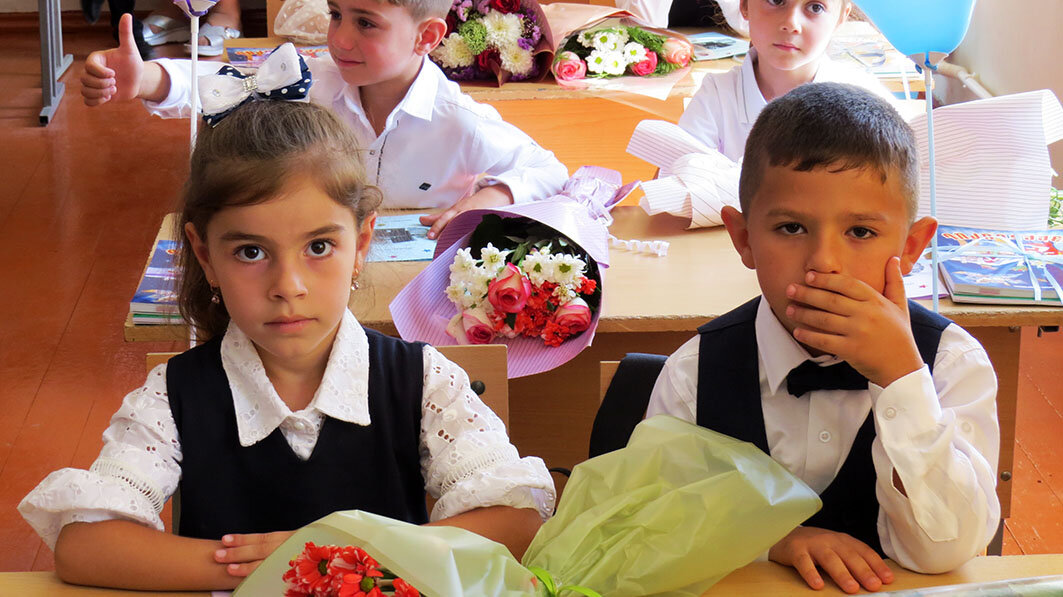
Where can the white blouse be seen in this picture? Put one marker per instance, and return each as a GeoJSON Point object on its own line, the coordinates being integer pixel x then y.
{"type": "Point", "coordinates": [467, 460]}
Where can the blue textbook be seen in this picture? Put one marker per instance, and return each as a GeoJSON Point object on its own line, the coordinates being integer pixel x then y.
{"type": "Point", "coordinates": [157, 292]}
{"type": "Point", "coordinates": [999, 266]}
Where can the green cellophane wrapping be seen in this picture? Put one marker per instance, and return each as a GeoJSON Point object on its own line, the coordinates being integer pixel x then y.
{"type": "Point", "coordinates": [672, 513]}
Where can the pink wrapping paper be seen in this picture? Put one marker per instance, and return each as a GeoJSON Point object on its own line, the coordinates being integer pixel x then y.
{"type": "Point", "coordinates": [421, 310]}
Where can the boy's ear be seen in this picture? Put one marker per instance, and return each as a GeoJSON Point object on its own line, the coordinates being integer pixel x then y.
{"type": "Point", "coordinates": [919, 235]}
{"type": "Point", "coordinates": [429, 34]}
{"type": "Point", "coordinates": [365, 238]}
{"type": "Point", "coordinates": [736, 227]}
{"type": "Point", "coordinates": [199, 248]}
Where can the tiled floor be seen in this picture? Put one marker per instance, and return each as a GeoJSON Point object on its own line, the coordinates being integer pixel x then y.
{"type": "Point", "coordinates": [80, 202]}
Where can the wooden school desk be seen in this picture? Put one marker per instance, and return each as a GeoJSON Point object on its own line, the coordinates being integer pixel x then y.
{"type": "Point", "coordinates": [759, 579]}
{"type": "Point", "coordinates": [653, 305]}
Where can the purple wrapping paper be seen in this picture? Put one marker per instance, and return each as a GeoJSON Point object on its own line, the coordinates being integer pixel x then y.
{"type": "Point", "coordinates": [421, 310]}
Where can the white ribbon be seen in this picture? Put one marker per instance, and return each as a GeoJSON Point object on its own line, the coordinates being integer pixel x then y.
{"type": "Point", "coordinates": [222, 92]}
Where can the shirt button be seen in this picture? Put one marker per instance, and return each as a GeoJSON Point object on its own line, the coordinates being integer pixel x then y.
{"type": "Point", "coordinates": [890, 413]}
{"type": "Point", "coordinates": [967, 427]}
{"type": "Point", "coordinates": [299, 426]}
{"type": "Point", "coordinates": [372, 152]}
{"type": "Point", "coordinates": [824, 436]}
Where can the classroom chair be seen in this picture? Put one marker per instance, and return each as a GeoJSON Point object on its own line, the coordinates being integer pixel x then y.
{"type": "Point", "coordinates": [625, 393]}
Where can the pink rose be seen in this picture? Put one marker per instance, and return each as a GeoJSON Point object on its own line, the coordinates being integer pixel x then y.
{"type": "Point", "coordinates": [471, 327]}
{"type": "Point", "coordinates": [676, 51]}
{"type": "Point", "coordinates": [569, 67]}
{"type": "Point", "coordinates": [575, 315]}
{"type": "Point", "coordinates": [509, 291]}
{"type": "Point", "coordinates": [645, 67]}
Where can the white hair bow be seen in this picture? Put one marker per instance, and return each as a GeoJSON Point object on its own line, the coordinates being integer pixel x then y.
{"type": "Point", "coordinates": [283, 75]}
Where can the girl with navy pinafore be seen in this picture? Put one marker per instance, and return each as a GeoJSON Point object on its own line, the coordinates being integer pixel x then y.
{"type": "Point", "coordinates": [291, 409]}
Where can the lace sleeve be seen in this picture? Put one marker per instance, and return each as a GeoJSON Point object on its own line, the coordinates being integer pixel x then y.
{"type": "Point", "coordinates": [466, 457]}
{"type": "Point", "coordinates": [136, 472]}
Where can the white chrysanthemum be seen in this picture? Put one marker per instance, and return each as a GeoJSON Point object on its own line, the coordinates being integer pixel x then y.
{"type": "Point", "coordinates": [517, 60]}
{"type": "Point", "coordinates": [634, 52]}
{"type": "Point", "coordinates": [609, 40]}
{"type": "Point", "coordinates": [539, 266]}
{"type": "Point", "coordinates": [565, 294]}
{"type": "Point", "coordinates": [503, 30]}
{"type": "Point", "coordinates": [586, 38]}
{"type": "Point", "coordinates": [568, 270]}
{"type": "Point", "coordinates": [453, 52]}
{"type": "Point", "coordinates": [493, 259]}
{"type": "Point", "coordinates": [608, 63]}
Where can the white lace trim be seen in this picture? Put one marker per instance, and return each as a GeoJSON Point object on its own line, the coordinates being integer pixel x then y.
{"type": "Point", "coordinates": [471, 464]}
{"type": "Point", "coordinates": [107, 467]}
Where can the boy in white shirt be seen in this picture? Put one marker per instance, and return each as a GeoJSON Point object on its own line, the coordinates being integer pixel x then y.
{"type": "Point", "coordinates": [427, 144]}
{"type": "Point", "coordinates": [888, 410]}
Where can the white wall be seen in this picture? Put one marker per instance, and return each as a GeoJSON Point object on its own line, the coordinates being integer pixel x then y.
{"type": "Point", "coordinates": [75, 5]}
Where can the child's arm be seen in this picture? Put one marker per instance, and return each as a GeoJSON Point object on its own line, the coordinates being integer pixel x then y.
{"type": "Point", "coordinates": [120, 74]}
{"type": "Point", "coordinates": [481, 482]}
{"type": "Point", "coordinates": [492, 196]}
{"type": "Point", "coordinates": [937, 438]}
{"type": "Point", "coordinates": [128, 555]}
{"type": "Point", "coordinates": [512, 527]}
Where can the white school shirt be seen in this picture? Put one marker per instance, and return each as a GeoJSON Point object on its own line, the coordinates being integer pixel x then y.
{"type": "Point", "coordinates": [438, 144]}
{"type": "Point", "coordinates": [938, 432]}
{"type": "Point", "coordinates": [467, 460]}
{"type": "Point", "coordinates": [724, 108]}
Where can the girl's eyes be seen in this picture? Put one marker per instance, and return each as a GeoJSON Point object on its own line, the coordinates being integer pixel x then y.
{"type": "Point", "coordinates": [250, 253]}
{"type": "Point", "coordinates": [816, 8]}
{"type": "Point", "coordinates": [320, 248]}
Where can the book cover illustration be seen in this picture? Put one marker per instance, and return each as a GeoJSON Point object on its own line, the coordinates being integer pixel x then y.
{"type": "Point", "coordinates": [859, 44]}
{"type": "Point", "coordinates": [250, 57]}
{"type": "Point", "coordinates": [981, 265]}
{"type": "Point", "coordinates": [157, 292]}
{"type": "Point", "coordinates": [401, 238]}
{"type": "Point", "coordinates": [712, 45]}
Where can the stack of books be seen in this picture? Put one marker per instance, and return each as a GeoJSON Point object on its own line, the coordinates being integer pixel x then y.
{"type": "Point", "coordinates": [155, 302]}
{"type": "Point", "coordinates": [1003, 267]}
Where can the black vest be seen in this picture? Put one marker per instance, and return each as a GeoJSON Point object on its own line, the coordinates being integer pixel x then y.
{"type": "Point", "coordinates": [729, 402]}
{"type": "Point", "coordinates": [226, 488]}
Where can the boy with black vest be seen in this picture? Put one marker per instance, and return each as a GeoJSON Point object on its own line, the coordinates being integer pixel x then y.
{"type": "Point", "coordinates": [884, 408]}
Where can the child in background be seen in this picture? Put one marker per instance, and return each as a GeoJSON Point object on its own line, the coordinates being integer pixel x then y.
{"type": "Point", "coordinates": [291, 410]}
{"type": "Point", "coordinates": [789, 41]}
{"type": "Point", "coordinates": [426, 144]}
{"type": "Point", "coordinates": [881, 406]}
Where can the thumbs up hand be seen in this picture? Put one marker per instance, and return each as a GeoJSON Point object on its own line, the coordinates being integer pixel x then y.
{"type": "Point", "coordinates": [116, 73]}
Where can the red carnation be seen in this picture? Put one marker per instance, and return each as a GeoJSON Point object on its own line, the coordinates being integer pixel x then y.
{"type": "Point", "coordinates": [488, 57]}
{"type": "Point", "coordinates": [505, 6]}
{"type": "Point", "coordinates": [452, 24]}
{"type": "Point", "coordinates": [403, 589]}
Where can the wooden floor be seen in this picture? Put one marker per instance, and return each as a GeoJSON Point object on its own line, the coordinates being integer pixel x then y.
{"type": "Point", "coordinates": [80, 202]}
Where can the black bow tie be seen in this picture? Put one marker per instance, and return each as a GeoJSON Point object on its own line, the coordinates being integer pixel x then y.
{"type": "Point", "coordinates": [809, 377]}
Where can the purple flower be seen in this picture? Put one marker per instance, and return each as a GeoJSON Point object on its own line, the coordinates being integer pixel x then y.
{"type": "Point", "coordinates": [525, 44]}
{"type": "Point", "coordinates": [483, 6]}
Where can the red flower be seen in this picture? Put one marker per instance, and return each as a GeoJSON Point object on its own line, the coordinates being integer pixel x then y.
{"type": "Point", "coordinates": [587, 286]}
{"type": "Point", "coordinates": [403, 589]}
{"type": "Point", "coordinates": [452, 24]}
{"type": "Point", "coordinates": [488, 57]}
{"type": "Point", "coordinates": [356, 585]}
{"type": "Point", "coordinates": [505, 6]}
{"type": "Point", "coordinates": [647, 66]}
{"type": "Point", "coordinates": [554, 333]}
{"type": "Point", "coordinates": [509, 291]}
{"type": "Point", "coordinates": [309, 570]}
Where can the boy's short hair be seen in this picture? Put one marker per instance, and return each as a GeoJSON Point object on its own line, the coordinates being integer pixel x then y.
{"type": "Point", "coordinates": [831, 125]}
{"type": "Point", "coordinates": [420, 9]}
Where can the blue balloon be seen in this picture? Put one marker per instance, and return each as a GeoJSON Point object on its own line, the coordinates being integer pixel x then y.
{"type": "Point", "coordinates": [919, 26]}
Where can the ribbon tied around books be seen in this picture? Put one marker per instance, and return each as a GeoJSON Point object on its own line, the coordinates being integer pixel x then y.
{"type": "Point", "coordinates": [282, 76]}
{"type": "Point", "coordinates": [1003, 248]}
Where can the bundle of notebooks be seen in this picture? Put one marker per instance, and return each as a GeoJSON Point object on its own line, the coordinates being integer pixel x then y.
{"type": "Point", "coordinates": [1003, 267]}
{"type": "Point", "coordinates": [155, 301]}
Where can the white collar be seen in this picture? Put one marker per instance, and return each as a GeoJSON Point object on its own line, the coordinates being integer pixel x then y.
{"type": "Point", "coordinates": [418, 102]}
{"type": "Point", "coordinates": [752, 100]}
{"type": "Point", "coordinates": [343, 393]}
{"type": "Point", "coordinates": [779, 351]}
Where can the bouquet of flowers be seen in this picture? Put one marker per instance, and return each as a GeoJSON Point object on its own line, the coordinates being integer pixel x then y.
{"type": "Point", "coordinates": [537, 283]}
{"type": "Point", "coordinates": [617, 50]}
{"type": "Point", "coordinates": [494, 39]}
{"type": "Point", "coordinates": [674, 511]}
{"type": "Point", "coordinates": [602, 48]}
{"type": "Point", "coordinates": [341, 571]}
